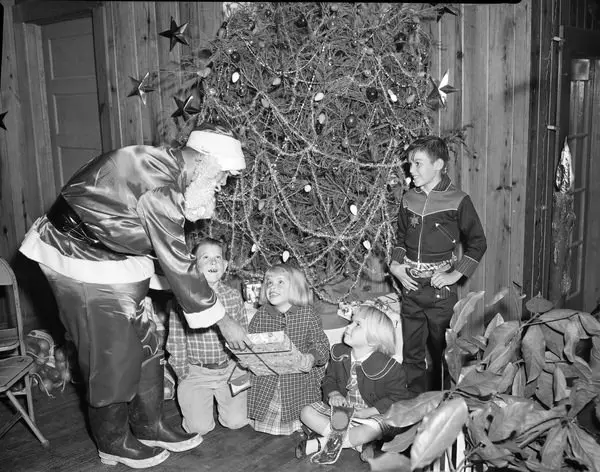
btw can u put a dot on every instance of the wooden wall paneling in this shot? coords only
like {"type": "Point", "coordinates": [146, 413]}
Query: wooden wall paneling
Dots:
{"type": "Point", "coordinates": [520, 123]}
{"type": "Point", "coordinates": [500, 68]}
{"type": "Point", "coordinates": [105, 74]}
{"type": "Point", "coordinates": [27, 46]}
{"type": "Point", "coordinates": [125, 30]}
{"type": "Point", "coordinates": [169, 64]}
{"type": "Point", "coordinates": [474, 111]}
{"type": "Point", "coordinates": [147, 62]}
{"type": "Point", "coordinates": [113, 92]}
{"type": "Point", "coordinates": [11, 210]}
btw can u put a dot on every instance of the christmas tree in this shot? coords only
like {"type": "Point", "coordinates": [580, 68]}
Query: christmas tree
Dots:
{"type": "Point", "coordinates": [325, 98]}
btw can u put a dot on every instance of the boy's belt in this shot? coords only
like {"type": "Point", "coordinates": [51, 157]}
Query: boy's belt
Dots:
{"type": "Point", "coordinates": [213, 366]}
{"type": "Point", "coordinates": [426, 270]}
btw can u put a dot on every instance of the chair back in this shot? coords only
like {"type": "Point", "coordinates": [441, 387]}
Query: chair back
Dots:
{"type": "Point", "coordinates": [12, 337]}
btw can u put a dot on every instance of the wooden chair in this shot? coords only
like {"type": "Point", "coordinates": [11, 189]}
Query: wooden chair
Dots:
{"type": "Point", "coordinates": [15, 364]}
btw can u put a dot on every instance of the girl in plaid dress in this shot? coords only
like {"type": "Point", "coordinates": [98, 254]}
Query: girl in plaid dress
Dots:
{"type": "Point", "coordinates": [361, 374]}
{"type": "Point", "coordinates": [275, 401]}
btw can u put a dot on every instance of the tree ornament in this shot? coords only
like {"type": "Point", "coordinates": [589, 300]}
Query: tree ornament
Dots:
{"type": "Point", "coordinates": [141, 88]}
{"type": "Point", "coordinates": [301, 22]}
{"type": "Point", "coordinates": [441, 11]}
{"type": "Point", "coordinates": [242, 90]}
{"type": "Point", "coordinates": [392, 95]}
{"type": "Point", "coordinates": [307, 188]}
{"type": "Point", "coordinates": [319, 96]}
{"type": "Point", "coordinates": [185, 109]}
{"type": "Point", "coordinates": [235, 56]}
{"type": "Point", "coordinates": [353, 209]}
{"type": "Point", "coordinates": [276, 82]}
{"type": "Point", "coordinates": [264, 102]}
{"type": "Point", "coordinates": [2, 116]}
{"type": "Point", "coordinates": [372, 94]}
{"type": "Point", "coordinates": [440, 91]}
{"type": "Point", "coordinates": [322, 118]}
{"type": "Point", "coordinates": [345, 143]}
{"type": "Point", "coordinates": [351, 121]}
{"type": "Point", "coordinates": [400, 41]}
{"type": "Point", "coordinates": [285, 256]}
{"type": "Point", "coordinates": [367, 245]}
{"type": "Point", "coordinates": [175, 34]}
{"type": "Point", "coordinates": [235, 77]}
{"type": "Point", "coordinates": [565, 177]}
{"type": "Point", "coordinates": [254, 248]}
{"type": "Point", "coordinates": [212, 91]}
{"type": "Point", "coordinates": [222, 31]}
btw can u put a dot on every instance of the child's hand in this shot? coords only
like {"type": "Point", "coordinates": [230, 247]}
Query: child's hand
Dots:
{"type": "Point", "coordinates": [399, 271]}
{"type": "Point", "coordinates": [337, 399]}
{"type": "Point", "coordinates": [307, 361]}
{"type": "Point", "coordinates": [442, 279]}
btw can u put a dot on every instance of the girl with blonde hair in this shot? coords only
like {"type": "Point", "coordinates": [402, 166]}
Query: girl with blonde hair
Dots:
{"type": "Point", "coordinates": [361, 375]}
{"type": "Point", "coordinates": [275, 401]}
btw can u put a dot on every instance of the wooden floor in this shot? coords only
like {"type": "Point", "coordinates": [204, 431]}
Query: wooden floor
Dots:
{"type": "Point", "coordinates": [62, 421]}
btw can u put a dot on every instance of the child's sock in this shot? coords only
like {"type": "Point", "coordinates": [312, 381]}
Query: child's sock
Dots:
{"type": "Point", "coordinates": [314, 445]}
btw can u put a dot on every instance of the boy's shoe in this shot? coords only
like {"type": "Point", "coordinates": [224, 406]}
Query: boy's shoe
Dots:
{"type": "Point", "coordinates": [302, 447]}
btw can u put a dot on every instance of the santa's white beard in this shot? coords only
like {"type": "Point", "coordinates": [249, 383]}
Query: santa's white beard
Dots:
{"type": "Point", "coordinates": [199, 202]}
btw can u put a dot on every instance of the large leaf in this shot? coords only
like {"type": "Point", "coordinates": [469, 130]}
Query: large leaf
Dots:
{"type": "Point", "coordinates": [537, 418]}
{"type": "Point", "coordinates": [497, 297]}
{"type": "Point", "coordinates": [554, 448]}
{"type": "Point", "coordinates": [453, 355]}
{"type": "Point", "coordinates": [401, 441]}
{"type": "Point", "coordinates": [518, 386]}
{"type": "Point", "coordinates": [479, 383]}
{"type": "Point", "coordinates": [538, 304]}
{"type": "Point", "coordinates": [499, 338]}
{"type": "Point", "coordinates": [503, 355]}
{"type": "Point", "coordinates": [572, 337]}
{"type": "Point", "coordinates": [390, 462]}
{"type": "Point", "coordinates": [463, 310]}
{"type": "Point", "coordinates": [470, 345]}
{"type": "Point", "coordinates": [545, 389]}
{"type": "Point", "coordinates": [408, 412]}
{"type": "Point", "coordinates": [508, 375]}
{"type": "Point", "coordinates": [533, 348]}
{"type": "Point", "coordinates": [581, 394]}
{"type": "Point", "coordinates": [584, 447]}
{"type": "Point", "coordinates": [508, 419]}
{"type": "Point", "coordinates": [590, 324]}
{"type": "Point", "coordinates": [554, 340]}
{"type": "Point", "coordinates": [437, 432]}
{"type": "Point", "coordinates": [484, 448]}
{"type": "Point", "coordinates": [558, 318]}
{"type": "Point", "coordinates": [493, 324]}
{"type": "Point", "coordinates": [559, 384]}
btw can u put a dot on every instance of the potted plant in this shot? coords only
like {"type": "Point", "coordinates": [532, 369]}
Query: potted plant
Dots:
{"type": "Point", "coordinates": [517, 395]}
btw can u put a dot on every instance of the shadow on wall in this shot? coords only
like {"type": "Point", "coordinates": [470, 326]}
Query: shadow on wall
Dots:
{"type": "Point", "coordinates": [38, 305]}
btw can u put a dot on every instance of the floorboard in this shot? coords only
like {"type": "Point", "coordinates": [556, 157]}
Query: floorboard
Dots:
{"type": "Point", "coordinates": [62, 421]}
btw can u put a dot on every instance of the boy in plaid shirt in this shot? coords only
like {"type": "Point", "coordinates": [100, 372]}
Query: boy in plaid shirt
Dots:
{"type": "Point", "coordinates": [199, 358]}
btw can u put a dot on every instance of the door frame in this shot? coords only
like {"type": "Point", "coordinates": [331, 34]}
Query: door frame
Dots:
{"type": "Point", "coordinates": [28, 19]}
{"type": "Point", "coordinates": [577, 43]}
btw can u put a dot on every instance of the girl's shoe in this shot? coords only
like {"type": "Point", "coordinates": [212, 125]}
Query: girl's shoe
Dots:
{"type": "Point", "coordinates": [307, 447]}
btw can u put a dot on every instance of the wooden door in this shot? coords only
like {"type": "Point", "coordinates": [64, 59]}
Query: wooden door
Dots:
{"type": "Point", "coordinates": [72, 92]}
{"type": "Point", "coordinates": [580, 119]}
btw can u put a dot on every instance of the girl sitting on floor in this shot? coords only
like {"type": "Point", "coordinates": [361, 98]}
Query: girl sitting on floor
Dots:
{"type": "Point", "coordinates": [361, 374]}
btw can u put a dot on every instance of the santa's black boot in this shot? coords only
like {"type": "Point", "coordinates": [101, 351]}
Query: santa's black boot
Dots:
{"type": "Point", "coordinates": [145, 412]}
{"type": "Point", "coordinates": [116, 444]}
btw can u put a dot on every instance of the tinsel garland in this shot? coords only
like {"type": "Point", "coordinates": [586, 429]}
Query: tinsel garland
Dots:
{"type": "Point", "coordinates": [325, 98]}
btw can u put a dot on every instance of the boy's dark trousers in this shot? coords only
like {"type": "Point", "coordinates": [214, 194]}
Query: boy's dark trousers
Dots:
{"type": "Point", "coordinates": [426, 313]}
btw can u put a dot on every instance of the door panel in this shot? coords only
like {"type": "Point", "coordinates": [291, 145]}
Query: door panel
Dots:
{"type": "Point", "coordinates": [579, 124]}
{"type": "Point", "coordinates": [72, 95]}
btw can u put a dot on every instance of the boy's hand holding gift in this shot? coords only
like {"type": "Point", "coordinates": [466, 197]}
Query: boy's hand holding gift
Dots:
{"type": "Point", "coordinates": [306, 362]}
{"type": "Point", "coordinates": [337, 399]}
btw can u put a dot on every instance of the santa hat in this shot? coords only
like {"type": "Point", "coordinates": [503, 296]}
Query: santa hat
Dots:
{"type": "Point", "coordinates": [223, 147]}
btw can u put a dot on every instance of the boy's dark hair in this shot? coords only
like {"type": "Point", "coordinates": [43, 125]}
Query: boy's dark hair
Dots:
{"type": "Point", "coordinates": [434, 146]}
{"type": "Point", "coordinates": [210, 241]}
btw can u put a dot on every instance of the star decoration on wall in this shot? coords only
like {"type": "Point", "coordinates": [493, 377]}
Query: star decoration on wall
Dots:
{"type": "Point", "coordinates": [438, 95]}
{"type": "Point", "coordinates": [2, 115]}
{"type": "Point", "coordinates": [443, 10]}
{"type": "Point", "coordinates": [175, 34]}
{"type": "Point", "coordinates": [141, 87]}
{"type": "Point", "coordinates": [184, 108]}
